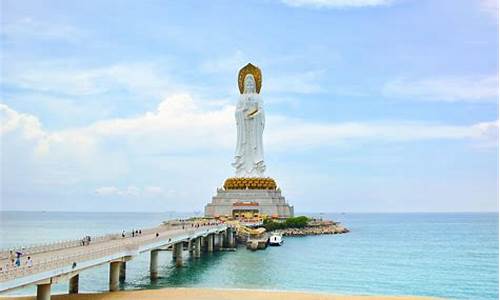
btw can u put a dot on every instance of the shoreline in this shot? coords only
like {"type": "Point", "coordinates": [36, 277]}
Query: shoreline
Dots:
{"type": "Point", "coordinates": [216, 294]}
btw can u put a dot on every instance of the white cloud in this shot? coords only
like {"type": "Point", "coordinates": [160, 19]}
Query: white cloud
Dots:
{"type": "Point", "coordinates": [337, 3]}
{"type": "Point", "coordinates": [153, 190]}
{"type": "Point", "coordinates": [130, 191]}
{"type": "Point", "coordinates": [111, 152]}
{"type": "Point", "coordinates": [26, 126]}
{"type": "Point", "coordinates": [59, 78]}
{"type": "Point", "coordinates": [490, 7]}
{"type": "Point", "coordinates": [301, 83]}
{"type": "Point", "coordinates": [181, 140]}
{"type": "Point", "coordinates": [12, 120]}
{"type": "Point", "coordinates": [301, 134]}
{"type": "Point", "coordinates": [107, 191]}
{"type": "Point", "coordinates": [181, 123]}
{"type": "Point", "coordinates": [226, 64]}
{"type": "Point", "coordinates": [447, 89]}
{"type": "Point", "coordinates": [29, 28]}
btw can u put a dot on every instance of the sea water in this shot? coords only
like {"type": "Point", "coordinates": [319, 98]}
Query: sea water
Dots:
{"type": "Point", "coordinates": [450, 255]}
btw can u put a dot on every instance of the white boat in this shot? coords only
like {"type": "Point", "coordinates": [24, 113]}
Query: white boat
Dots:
{"type": "Point", "coordinates": [276, 240]}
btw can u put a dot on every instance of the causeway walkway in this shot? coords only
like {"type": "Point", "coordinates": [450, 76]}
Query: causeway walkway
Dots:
{"type": "Point", "coordinates": [62, 261]}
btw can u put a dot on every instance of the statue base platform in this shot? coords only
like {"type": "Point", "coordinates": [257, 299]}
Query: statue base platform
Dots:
{"type": "Point", "coordinates": [249, 198]}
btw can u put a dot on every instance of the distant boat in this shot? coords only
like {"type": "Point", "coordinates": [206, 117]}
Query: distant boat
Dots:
{"type": "Point", "coordinates": [276, 240]}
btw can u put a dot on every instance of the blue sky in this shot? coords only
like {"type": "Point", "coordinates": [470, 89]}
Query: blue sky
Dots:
{"type": "Point", "coordinates": [371, 105]}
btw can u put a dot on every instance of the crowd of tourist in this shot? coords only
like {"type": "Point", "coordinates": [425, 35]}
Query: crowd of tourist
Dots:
{"type": "Point", "coordinates": [14, 261]}
{"type": "Point", "coordinates": [85, 241]}
{"type": "Point", "coordinates": [134, 233]}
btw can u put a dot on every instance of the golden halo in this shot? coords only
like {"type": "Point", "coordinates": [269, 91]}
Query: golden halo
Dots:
{"type": "Point", "coordinates": [250, 69]}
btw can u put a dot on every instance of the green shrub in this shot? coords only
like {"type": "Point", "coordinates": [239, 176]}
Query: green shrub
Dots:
{"type": "Point", "coordinates": [296, 222]}
{"type": "Point", "coordinates": [293, 222]}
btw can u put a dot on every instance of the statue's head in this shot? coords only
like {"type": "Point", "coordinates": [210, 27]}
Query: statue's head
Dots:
{"type": "Point", "coordinates": [249, 79]}
{"type": "Point", "coordinates": [249, 84]}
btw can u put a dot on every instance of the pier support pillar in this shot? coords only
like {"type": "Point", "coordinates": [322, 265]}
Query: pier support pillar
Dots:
{"type": "Point", "coordinates": [123, 272]}
{"type": "Point", "coordinates": [43, 291]}
{"type": "Point", "coordinates": [216, 241]}
{"type": "Point", "coordinates": [221, 240]}
{"type": "Point", "coordinates": [73, 284]}
{"type": "Point", "coordinates": [114, 275]}
{"type": "Point", "coordinates": [197, 247]}
{"type": "Point", "coordinates": [153, 265]}
{"type": "Point", "coordinates": [173, 251]}
{"type": "Point", "coordinates": [202, 244]}
{"type": "Point", "coordinates": [210, 242]}
{"type": "Point", "coordinates": [178, 254]}
{"type": "Point", "coordinates": [225, 241]}
{"type": "Point", "coordinates": [230, 237]}
{"type": "Point", "coordinates": [190, 247]}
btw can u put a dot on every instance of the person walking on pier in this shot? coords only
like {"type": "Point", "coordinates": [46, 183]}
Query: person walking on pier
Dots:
{"type": "Point", "coordinates": [29, 262]}
{"type": "Point", "coordinates": [11, 257]}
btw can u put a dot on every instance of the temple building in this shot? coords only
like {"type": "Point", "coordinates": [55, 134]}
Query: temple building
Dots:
{"type": "Point", "coordinates": [249, 194]}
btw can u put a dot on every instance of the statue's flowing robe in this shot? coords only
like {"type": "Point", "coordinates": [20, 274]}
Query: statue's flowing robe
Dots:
{"type": "Point", "coordinates": [249, 154]}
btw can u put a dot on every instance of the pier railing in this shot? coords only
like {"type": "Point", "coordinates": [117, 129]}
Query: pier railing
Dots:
{"type": "Point", "coordinates": [96, 251]}
{"type": "Point", "coordinates": [58, 245]}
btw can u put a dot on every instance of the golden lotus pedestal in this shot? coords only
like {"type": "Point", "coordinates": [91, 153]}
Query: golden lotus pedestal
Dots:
{"type": "Point", "coordinates": [246, 197]}
{"type": "Point", "coordinates": [252, 183]}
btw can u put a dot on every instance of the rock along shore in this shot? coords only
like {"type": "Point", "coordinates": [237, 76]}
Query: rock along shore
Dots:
{"type": "Point", "coordinates": [314, 228]}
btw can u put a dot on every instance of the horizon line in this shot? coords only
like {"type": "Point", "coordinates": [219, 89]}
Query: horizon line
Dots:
{"type": "Point", "coordinates": [304, 212]}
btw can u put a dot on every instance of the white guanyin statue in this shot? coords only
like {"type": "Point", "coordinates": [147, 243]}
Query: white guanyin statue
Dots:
{"type": "Point", "coordinates": [250, 120]}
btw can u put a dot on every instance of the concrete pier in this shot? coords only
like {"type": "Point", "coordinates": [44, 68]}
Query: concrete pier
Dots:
{"type": "Point", "coordinates": [114, 275]}
{"type": "Point", "coordinates": [73, 284]}
{"type": "Point", "coordinates": [123, 272]}
{"type": "Point", "coordinates": [43, 291]}
{"type": "Point", "coordinates": [178, 254]}
{"type": "Point", "coordinates": [190, 247]}
{"type": "Point", "coordinates": [210, 243]}
{"type": "Point", "coordinates": [153, 264]}
{"type": "Point", "coordinates": [104, 250]}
